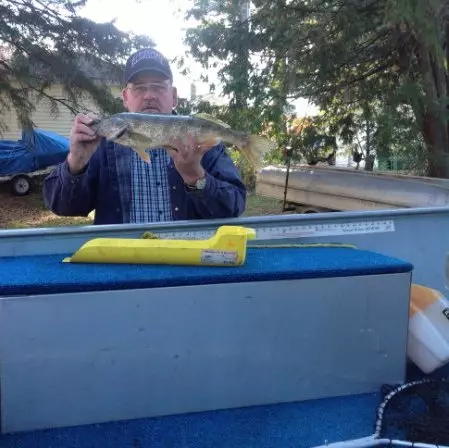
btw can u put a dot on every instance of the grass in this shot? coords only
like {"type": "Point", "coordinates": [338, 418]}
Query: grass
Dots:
{"type": "Point", "coordinates": [29, 211]}
{"type": "Point", "coordinates": [261, 206]}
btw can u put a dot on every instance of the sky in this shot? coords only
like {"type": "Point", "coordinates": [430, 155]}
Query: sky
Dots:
{"type": "Point", "coordinates": [160, 20]}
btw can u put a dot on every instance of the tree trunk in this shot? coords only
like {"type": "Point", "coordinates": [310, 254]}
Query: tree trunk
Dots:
{"type": "Point", "coordinates": [432, 120]}
{"type": "Point", "coordinates": [369, 162]}
{"type": "Point", "coordinates": [369, 158]}
{"type": "Point", "coordinates": [435, 136]}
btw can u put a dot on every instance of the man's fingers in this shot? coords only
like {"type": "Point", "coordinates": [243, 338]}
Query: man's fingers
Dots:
{"type": "Point", "coordinates": [205, 147]}
{"type": "Point", "coordinates": [81, 131]}
{"type": "Point", "coordinates": [82, 128]}
{"type": "Point", "coordinates": [86, 119]}
{"type": "Point", "coordinates": [83, 119]}
{"type": "Point", "coordinates": [83, 134]}
{"type": "Point", "coordinates": [191, 141]}
{"type": "Point", "coordinates": [171, 149]}
{"type": "Point", "coordinates": [176, 144]}
{"type": "Point", "coordinates": [188, 144]}
{"type": "Point", "coordinates": [93, 116]}
{"type": "Point", "coordinates": [89, 138]}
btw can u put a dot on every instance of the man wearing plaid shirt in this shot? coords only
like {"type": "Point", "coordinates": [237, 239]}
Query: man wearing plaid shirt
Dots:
{"type": "Point", "coordinates": [190, 182]}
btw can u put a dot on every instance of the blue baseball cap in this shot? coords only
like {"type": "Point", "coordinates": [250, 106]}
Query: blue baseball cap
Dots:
{"type": "Point", "coordinates": [147, 60]}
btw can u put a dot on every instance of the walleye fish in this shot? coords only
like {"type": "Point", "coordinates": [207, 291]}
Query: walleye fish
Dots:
{"type": "Point", "coordinates": [142, 131]}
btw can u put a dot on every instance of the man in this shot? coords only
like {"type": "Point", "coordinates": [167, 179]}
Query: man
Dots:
{"type": "Point", "coordinates": [181, 183]}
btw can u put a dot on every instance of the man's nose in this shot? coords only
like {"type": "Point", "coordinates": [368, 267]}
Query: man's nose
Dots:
{"type": "Point", "coordinates": [149, 94]}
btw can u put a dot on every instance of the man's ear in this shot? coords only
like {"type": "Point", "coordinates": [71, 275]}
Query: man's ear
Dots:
{"type": "Point", "coordinates": [124, 96]}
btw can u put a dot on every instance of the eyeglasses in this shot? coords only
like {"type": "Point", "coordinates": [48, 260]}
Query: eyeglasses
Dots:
{"type": "Point", "coordinates": [155, 87]}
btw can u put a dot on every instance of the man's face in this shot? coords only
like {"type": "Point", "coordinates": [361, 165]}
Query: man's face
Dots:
{"type": "Point", "coordinates": [149, 93]}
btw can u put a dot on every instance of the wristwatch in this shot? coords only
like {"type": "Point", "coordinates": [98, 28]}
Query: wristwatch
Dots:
{"type": "Point", "coordinates": [200, 184]}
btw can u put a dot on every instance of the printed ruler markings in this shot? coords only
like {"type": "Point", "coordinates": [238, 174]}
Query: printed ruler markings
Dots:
{"type": "Point", "coordinates": [292, 231]}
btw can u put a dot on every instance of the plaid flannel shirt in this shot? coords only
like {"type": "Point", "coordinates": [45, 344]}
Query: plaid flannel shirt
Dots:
{"type": "Point", "coordinates": [108, 186]}
{"type": "Point", "coordinates": [150, 190]}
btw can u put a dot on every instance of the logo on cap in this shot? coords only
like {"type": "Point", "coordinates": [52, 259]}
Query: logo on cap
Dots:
{"type": "Point", "coordinates": [147, 59]}
{"type": "Point", "coordinates": [147, 53]}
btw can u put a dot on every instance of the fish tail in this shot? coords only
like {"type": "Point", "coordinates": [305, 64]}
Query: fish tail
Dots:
{"type": "Point", "coordinates": [255, 148]}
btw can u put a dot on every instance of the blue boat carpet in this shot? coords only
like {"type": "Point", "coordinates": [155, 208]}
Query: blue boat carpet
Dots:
{"type": "Point", "coordinates": [48, 275]}
{"type": "Point", "coordinates": [292, 425]}
{"type": "Point", "coordinates": [278, 426]}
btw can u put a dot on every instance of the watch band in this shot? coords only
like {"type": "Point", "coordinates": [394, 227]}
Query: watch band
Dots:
{"type": "Point", "coordinates": [199, 184]}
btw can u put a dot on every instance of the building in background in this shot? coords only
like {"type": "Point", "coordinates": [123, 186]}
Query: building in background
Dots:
{"type": "Point", "coordinates": [59, 121]}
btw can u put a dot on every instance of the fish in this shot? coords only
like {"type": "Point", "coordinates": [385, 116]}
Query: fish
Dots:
{"type": "Point", "coordinates": [143, 131]}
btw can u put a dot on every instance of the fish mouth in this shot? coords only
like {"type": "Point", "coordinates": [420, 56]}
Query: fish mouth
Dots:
{"type": "Point", "coordinates": [95, 122]}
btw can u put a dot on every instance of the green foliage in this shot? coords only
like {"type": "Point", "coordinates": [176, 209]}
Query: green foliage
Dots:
{"type": "Point", "coordinates": [377, 69]}
{"type": "Point", "coordinates": [398, 137]}
{"type": "Point", "coordinates": [310, 141]}
{"type": "Point", "coordinates": [44, 42]}
{"type": "Point", "coordinates": [225, 43]}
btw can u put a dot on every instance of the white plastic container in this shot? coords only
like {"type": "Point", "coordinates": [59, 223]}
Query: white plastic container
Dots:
{"type": "Point", "coordinates": [428, 337]}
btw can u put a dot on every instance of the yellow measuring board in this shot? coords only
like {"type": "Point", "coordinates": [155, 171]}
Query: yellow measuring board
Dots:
{"type": "Point", "coordinates": [226, 248]}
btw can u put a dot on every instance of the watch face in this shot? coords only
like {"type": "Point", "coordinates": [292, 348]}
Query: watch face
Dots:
{"type": "Point", "coordinates": [201, 183]}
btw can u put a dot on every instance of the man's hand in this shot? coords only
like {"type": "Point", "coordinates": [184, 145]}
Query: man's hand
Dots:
{"type": "Point", "coordinates": [187, 155]}
{"type": "Point", "coordinates": [83, 143]}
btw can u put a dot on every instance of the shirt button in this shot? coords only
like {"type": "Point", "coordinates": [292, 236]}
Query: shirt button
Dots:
{"type": "Point", "coordinates": [158, 184]}
{"type": "Point", "coordinates": [174, 187]}
{"type": "Point", "coordinates": [176, 209]}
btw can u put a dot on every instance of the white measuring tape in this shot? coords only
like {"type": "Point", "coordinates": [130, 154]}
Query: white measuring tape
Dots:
{"type": "Point", "coordinates": [294, 231]}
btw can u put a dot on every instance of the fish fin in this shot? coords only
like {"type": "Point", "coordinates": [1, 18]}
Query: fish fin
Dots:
{"type": "Point", "coordinates": [209, 141]}
{"type": "Point", "coordinates": [207, 117]}
{"type": "Point", "coordinates": [255, 149]}
{"type": "Point", "coordinates": [142, 154]}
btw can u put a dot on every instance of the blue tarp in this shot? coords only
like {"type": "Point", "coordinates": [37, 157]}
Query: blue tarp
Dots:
{"type": "Point", "coordinates": [36, 150]}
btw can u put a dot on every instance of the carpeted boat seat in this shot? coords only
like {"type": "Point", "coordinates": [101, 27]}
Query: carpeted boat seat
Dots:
{"type": "Point", "coordinates": [48, 274]}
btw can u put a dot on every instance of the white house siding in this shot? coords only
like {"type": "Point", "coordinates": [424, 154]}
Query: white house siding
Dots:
{"type": "Point", "coordinates": [43, 118]}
